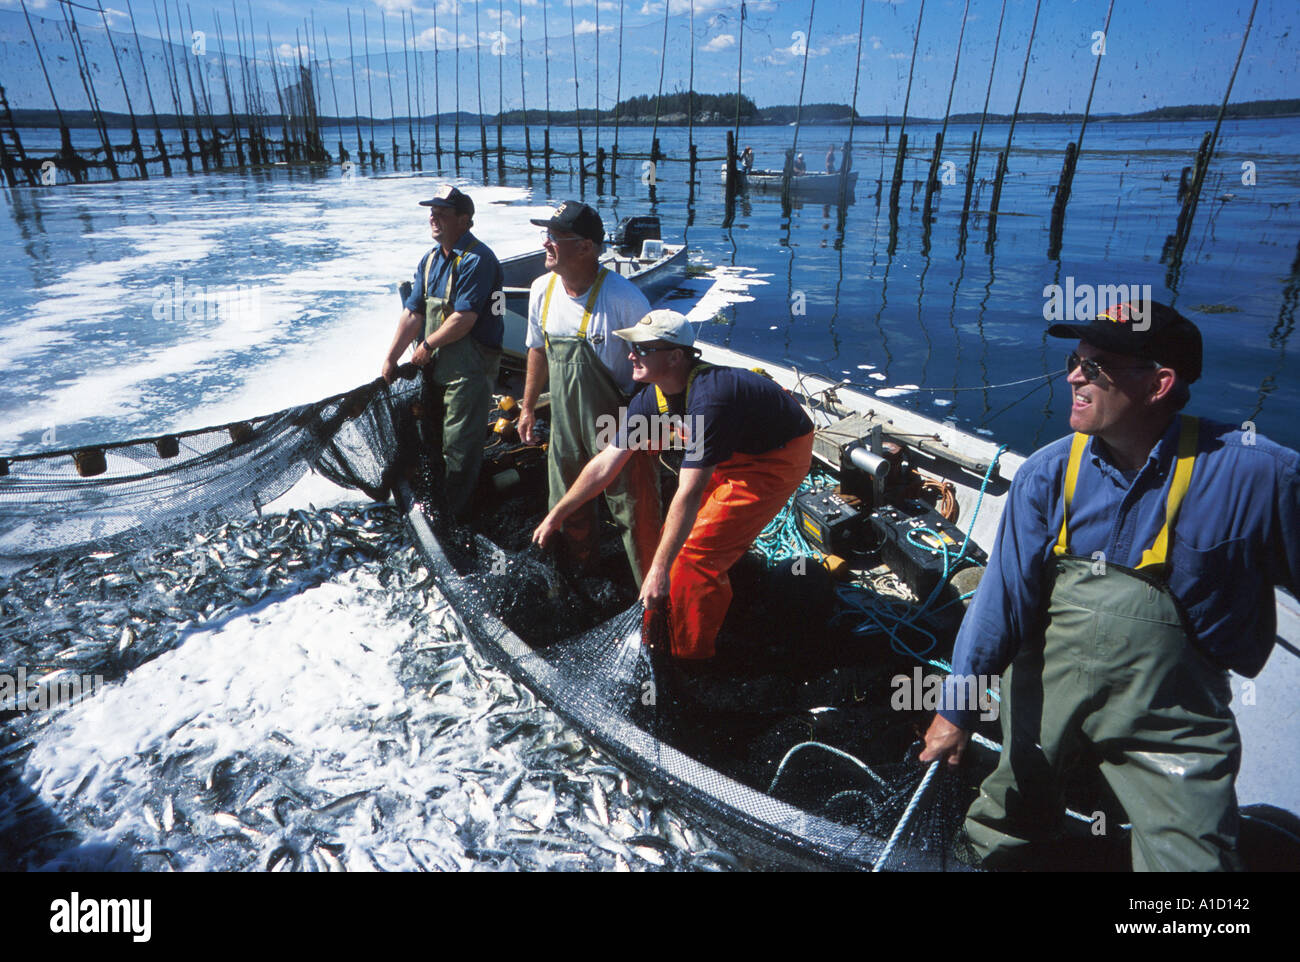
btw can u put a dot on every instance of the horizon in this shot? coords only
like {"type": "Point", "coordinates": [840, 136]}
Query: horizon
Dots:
{"type": "Point", "coordinates": [1188, 68]}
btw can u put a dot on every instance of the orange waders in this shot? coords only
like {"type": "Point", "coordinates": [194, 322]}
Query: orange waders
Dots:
{"type": "Point", "coordinates": [744, 494]}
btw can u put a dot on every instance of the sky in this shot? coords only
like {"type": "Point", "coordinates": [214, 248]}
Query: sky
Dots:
{"type": "Point", "coordinates": [1160, 53]}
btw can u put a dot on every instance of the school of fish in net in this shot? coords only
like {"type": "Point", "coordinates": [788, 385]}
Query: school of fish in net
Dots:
{"type": "Point", "coordinates": [292, 693]}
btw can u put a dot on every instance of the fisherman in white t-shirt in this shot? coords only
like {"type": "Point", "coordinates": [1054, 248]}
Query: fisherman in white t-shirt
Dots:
{"type": "Point", "coordinates": [573, 311]}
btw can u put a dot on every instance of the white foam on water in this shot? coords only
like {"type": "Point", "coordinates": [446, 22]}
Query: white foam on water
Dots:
{"type": "Point", "coordinates": [877, 376]}
{"type": "Point", "coordinates": [897, 391]}
{"type": "Point", "coordinates": [942, 402]}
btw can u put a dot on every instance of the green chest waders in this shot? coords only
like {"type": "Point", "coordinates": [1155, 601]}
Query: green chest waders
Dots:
{"type": "Point", "coordinates": [584, 399]}
{"type": "Point", "coordinates": [460, 378]}
{"type": "Point", "coordinates": [1116, 683]}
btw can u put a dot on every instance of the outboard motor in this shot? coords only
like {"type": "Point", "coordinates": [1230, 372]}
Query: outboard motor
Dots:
{"type": "Point", "coordinates": [632, 232]}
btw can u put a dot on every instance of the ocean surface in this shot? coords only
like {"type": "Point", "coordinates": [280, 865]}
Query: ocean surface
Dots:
{"type": "Point", "coordinates": [285, 728]}
{"type": "Point", "coordinates": [104, 333]}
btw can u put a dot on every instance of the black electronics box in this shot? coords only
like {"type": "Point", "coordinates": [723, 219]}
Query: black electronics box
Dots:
{"type": "Point", "coordinates": [827, 520]}
{"type": "Point", "coordinates": [919, 560]}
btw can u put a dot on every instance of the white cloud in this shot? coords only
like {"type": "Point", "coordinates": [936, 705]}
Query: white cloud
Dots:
{"type": "Point", "coordinates": [288, 51]}
{"type": "Point", "coordinates": [721, 42]}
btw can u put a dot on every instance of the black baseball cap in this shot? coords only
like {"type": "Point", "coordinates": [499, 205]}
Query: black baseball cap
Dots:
{"type": "Point", "coordinates": [448, 196]}
{"type": "Point", "coordinates": [1142, 329]}
{"type": "Point", "coordinates": [577, 218]}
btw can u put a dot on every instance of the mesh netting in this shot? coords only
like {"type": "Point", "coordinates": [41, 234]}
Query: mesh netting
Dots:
{"type": "Point", "coordinates": [129, 494]}
{"type": "Point", "coordinates": [787, 741]}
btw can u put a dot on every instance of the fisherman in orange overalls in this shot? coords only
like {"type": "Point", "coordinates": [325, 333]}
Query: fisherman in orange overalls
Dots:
{"type": "Point", "coordinates": [747, 446]}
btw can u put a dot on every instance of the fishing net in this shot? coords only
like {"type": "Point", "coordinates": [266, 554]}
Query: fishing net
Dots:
{"type": "Point", "coordinates": [787, 743]}
{"type": "Point", "coordinates": [128, 495]}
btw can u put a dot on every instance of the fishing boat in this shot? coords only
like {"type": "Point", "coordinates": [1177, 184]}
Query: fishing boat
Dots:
{"type": "Point", "coordinates": [810, 184]}
{"type": "Point", "coordinates": [794, 748]}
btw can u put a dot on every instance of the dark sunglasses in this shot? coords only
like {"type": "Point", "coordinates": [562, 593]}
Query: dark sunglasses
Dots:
{"type": "Point", "coordinates": [643, 350]}
{"type": "Point", "coordinates": [1092, 370]}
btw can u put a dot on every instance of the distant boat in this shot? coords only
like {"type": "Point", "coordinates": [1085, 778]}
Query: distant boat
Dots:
{"type": "Point", "coordinates": [771, 180]}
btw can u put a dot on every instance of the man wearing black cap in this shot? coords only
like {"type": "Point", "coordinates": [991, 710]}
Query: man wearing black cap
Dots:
{"type": "Point", "coordinates": [1135, 563]}
{"type": "Point", "coordinates": [573, 312]}
{"type": "Point", "coordinates": [457, 305]}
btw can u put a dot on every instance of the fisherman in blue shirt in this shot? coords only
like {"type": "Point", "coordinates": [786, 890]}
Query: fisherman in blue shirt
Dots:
{"type": "Point", "coordinates": [1135, 563]}
{"type": "Point", "coordinates": [454, 316]}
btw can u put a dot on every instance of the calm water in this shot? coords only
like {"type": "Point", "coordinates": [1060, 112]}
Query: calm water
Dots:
{"type": "Point", "coordinates": [302, 266]}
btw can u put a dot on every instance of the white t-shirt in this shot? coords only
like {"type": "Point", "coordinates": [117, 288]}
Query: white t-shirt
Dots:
{"type": "Point", "coordinates": [618, 305]}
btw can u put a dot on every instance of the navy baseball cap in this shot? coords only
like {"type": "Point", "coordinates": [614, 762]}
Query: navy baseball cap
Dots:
{"type": "Point", "coordinates": [448, 196]}
{"type": "Point", "coordinates": [1142, 329]}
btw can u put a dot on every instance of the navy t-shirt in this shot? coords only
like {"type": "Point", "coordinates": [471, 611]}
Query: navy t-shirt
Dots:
{"type": "Point", "coordinates": [726, 411]}
{"type": "Point", "coordinates": [478, 278]}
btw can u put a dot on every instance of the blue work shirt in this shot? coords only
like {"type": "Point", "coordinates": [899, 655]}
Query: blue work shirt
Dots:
{"type": "Point", "coordinates": [478, 278]}
{"type": "Point", "coordinates": [1236, 536]}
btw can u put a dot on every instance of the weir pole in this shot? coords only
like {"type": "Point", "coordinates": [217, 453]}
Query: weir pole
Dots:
{"type": "Point", "coordinates": [846, 160]}
{"type": "Point", "coordinates": [546, 132]}
{"type": "Point", "coordinates": [437, 95]}
{"type": "Point", "coordinates": [478, 85]}
{"type": "Point", "coordinates": [577, 109]}
{"type": "Point", "coordinates": [203, 89]}
{"type": "Point", "coordinates": [356, 112]}
{"type": "Point", "coordinates": [1072, 155]}
{"type": "Point", "coordinates": [388, 69]}
{"type": "Point", "coordinates": [230, 99]}
{"type": "Point", "coordinates": [1006, 153]}
{"type": "Point", "coordinates": [159, 144]}
{"type": "Point", "coordinates": [1185, 216]}
{"type": "Point", "coordinates": [189, 83]}
{"type": "Point", "coordinates": [136, 147]}
{"type": "Point", "coordinates": [410, 129]}
{"type": "Point", "coordinates": [173, 87]}
{"type": "Point", "coordinates": [88, 84]}
{"type": "Point", "coordinates": [338, 111]}
{"type": "Point", "coordinates": [798, 118]}
{"type": "Point", "coordinates": [66, 152]}
{"type": "Point", "coordinates": [618, 105]}
{"type": "Point", "coordinates": [370, 88]}
{"type": "Point", "coordinates": [932, 181]}
{"type": "Point", "coordinates": [978, 142]}
{"type": "Point", "coordinates": [523, 96]}
{"type": "Point", "coordinates": [902, 136]}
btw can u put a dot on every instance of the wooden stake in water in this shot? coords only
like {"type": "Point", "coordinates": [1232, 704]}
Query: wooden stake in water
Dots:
{"type": "Point", "coordinates": [1072, 155]}
{"type": "Point", "coordinates": [159, 144]}
{"type": "Point", "coordinates": [1004, 157]}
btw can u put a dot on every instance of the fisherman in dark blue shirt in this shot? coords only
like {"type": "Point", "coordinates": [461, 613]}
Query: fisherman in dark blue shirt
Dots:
{"type": "Point", "coordinates": [748, 444]}
{"type": "Point", "coordinates": [454, 316]}
{"type": "Point", "coordinates": [1135, 563]}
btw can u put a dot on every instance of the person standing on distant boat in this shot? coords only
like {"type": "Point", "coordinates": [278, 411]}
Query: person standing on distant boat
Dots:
{"type": "Point", "coordinates": [1135, 563]}
{"type": "Point", "coordinates": [747, 160]}
{"type": "Point", "coordinates": [800, 165]}
{"type": "Point", "coordinates": [748, 446]}
{"type": "Point", "coordinates": [830, 159]}
{"type": "Point", "coordinates": [454, 316]}
{"type": "Point", "coordinates": [573, 311]}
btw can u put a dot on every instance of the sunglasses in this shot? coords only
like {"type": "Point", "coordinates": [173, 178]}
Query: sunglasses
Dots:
{"type": "Point", "coordinates": [1093, 370]}
{"type": "Point", "coordinates": [550, 238]}
{"type": "Point", "coordinates": [644, 350]}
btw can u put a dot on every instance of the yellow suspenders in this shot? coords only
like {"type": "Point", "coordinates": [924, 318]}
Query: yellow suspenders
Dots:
{"type": "Point", "coordinates": [451, 274]}
{"type": "Point", "coordinates": [690, 378]}
{"type": "Point", "coordinates": [1157, 555]}
{"type": "Point", "coordinates": [586, 311]}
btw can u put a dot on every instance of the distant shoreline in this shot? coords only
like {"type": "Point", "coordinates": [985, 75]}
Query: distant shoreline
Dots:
{"type": "Point", "coordinates": [780, 116]}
